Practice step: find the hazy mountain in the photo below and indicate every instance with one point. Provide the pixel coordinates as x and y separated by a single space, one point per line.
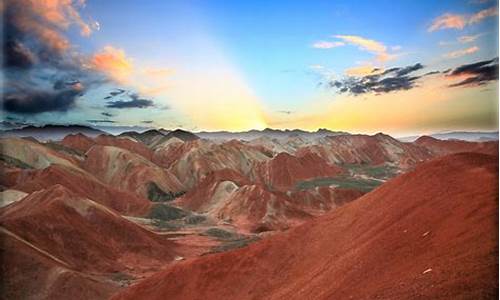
268 132
471 136
51 132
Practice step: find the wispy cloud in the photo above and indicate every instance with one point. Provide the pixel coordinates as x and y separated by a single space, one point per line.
369 45
460 53
457 21
327 45
468 38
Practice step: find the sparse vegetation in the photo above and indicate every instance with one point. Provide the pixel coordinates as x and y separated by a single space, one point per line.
345 182
220 233
195 219
14 162
166 212
234 244
61 148
156 194
166 225
379 172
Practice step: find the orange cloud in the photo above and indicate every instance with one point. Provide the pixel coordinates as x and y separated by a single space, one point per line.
362 71
375 47
448 21
114 63
483 14
61 13
460 53
363 43
455 21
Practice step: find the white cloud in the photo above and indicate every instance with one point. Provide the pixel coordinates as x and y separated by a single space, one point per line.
327 45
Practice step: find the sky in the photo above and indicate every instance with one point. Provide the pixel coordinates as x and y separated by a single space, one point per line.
401 67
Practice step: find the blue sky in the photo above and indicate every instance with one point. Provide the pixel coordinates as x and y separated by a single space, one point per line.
259 58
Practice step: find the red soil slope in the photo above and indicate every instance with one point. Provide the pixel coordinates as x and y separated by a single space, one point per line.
285 170
192 160
374 150
431 233
81 183
83 143
78 142
83 234
197 197
440 147
31 273
128 171
125 143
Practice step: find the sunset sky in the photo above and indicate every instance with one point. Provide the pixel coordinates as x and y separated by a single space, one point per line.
401 67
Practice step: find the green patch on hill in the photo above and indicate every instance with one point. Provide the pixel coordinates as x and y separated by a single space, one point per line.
156 194
166 212
382 172
61 148
364 185
11 161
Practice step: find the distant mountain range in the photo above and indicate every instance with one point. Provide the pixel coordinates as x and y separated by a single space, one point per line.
146 135
51 132
479 136
268 132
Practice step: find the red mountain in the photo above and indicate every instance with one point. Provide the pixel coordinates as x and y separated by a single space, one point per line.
431 233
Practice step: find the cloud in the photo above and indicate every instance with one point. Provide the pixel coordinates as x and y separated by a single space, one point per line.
475 74
372 46
460 53
483 14
456 21
448 21
113 62
135 102
106 114
327 45
468 38
361 70
286 112
317 67
42 71
147 122
101 121
117 92
39 101
363 43
390 80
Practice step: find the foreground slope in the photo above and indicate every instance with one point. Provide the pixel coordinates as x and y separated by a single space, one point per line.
431 233
83 234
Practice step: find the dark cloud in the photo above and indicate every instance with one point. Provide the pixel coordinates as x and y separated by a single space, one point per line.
432 73
478 73
36 101
134 102
147 122
287 112
117 92
41 71
106 114
101 121
393 79
16 55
